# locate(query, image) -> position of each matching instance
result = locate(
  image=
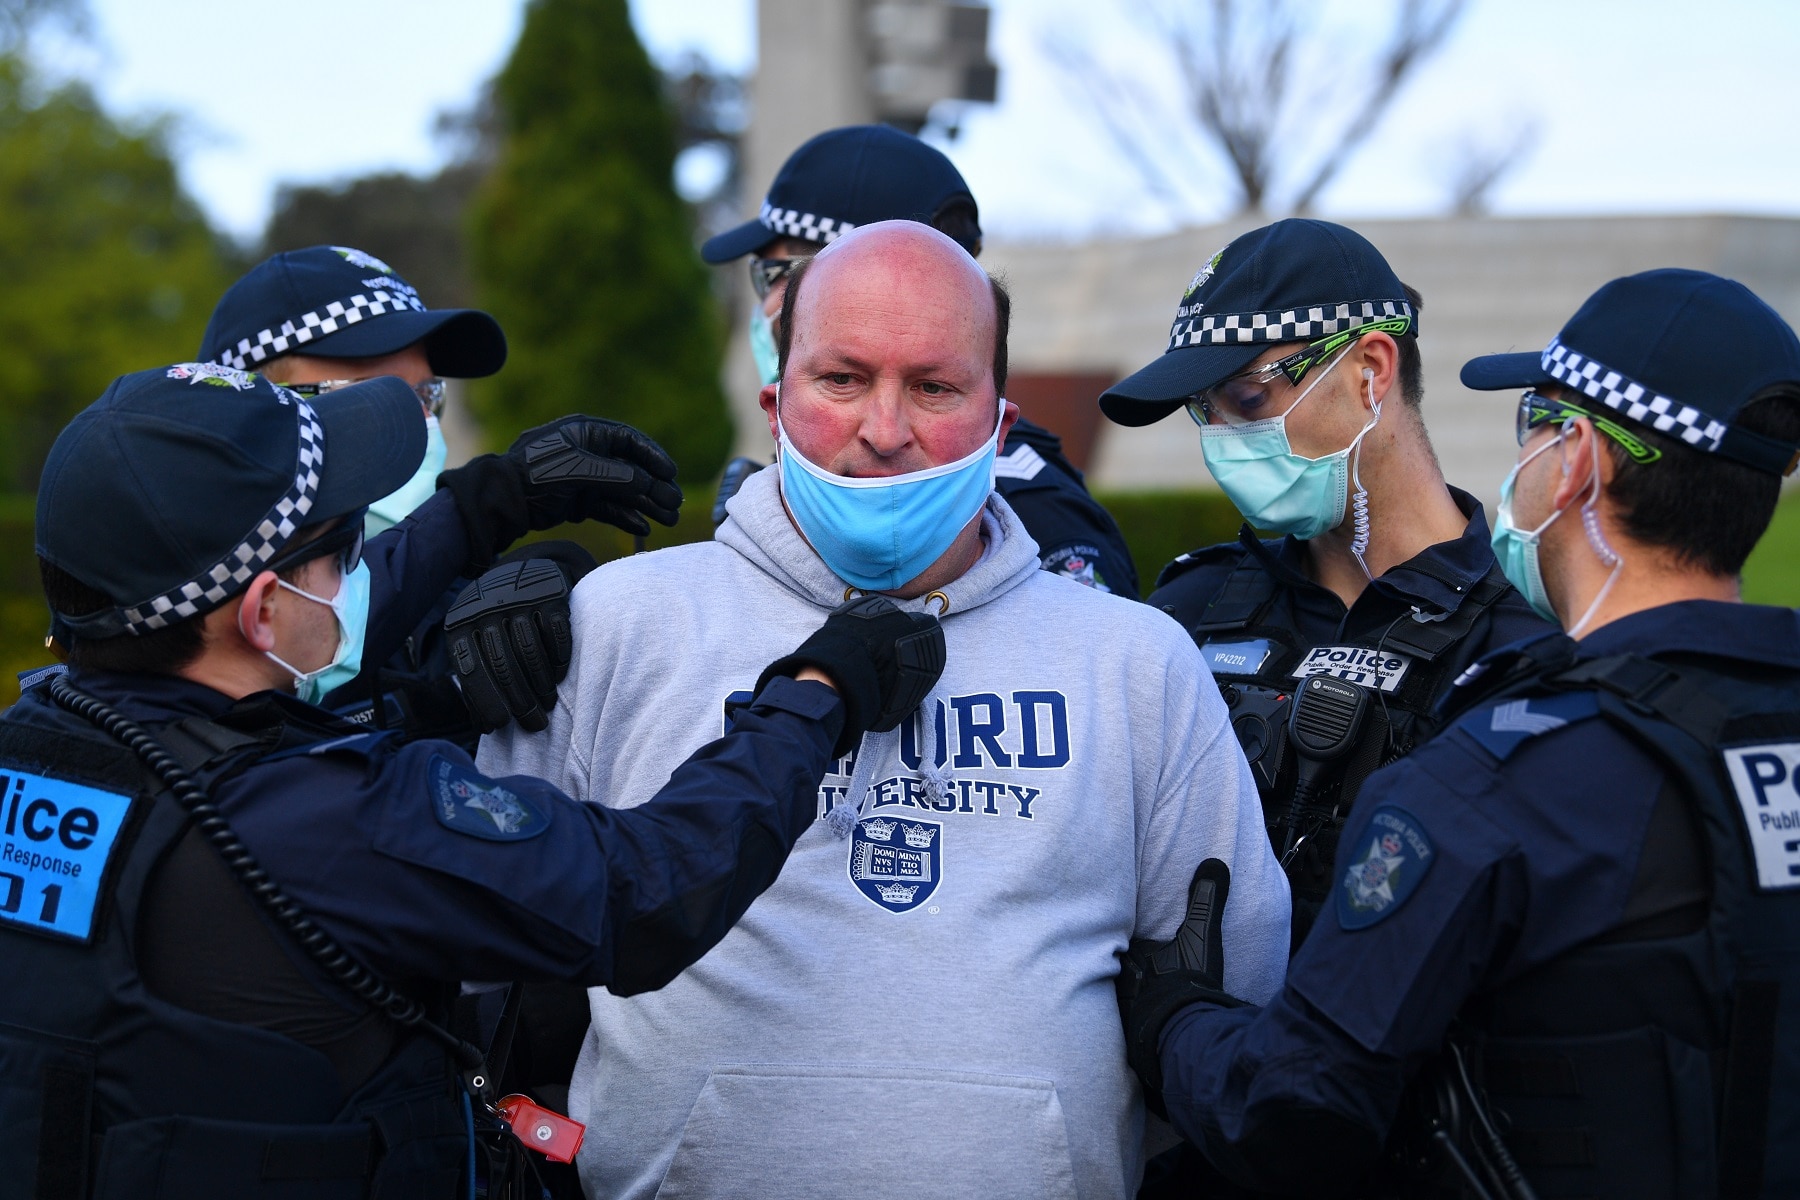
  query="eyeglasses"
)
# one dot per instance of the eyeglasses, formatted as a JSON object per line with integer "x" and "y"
{"x": 1537, "y": 410}
{"x": 1243, "y": 398}
{"x": 345, "y": 540}
{"x": 430, "y": 393}
{"x": 765, "y": 273}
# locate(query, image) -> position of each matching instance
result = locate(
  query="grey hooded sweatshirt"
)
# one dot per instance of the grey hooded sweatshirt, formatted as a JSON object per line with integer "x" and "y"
{"x": 925, "y": 1007}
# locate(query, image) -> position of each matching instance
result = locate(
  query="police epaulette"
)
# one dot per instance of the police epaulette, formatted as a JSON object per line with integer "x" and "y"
{"x": 1507, "y": 669}
{"x": 1204, "y": 556}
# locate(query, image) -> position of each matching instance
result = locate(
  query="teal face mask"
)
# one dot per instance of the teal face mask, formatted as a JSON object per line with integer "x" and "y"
{"x": 1516, "y": 550}
{"x": 1273, "y": 487}
{"x": 389, "y": 511}
{"x": 878, "y": 534}
{"x": 351, "y": 609}
{"x": 762, "y": 346}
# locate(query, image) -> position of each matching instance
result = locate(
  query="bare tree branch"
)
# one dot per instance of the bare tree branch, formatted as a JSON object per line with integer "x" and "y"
{"x": 1113, "y": 103}
{"x": 1476, "y": 165}
{"x": 1238, "y": 62}
{"x": 1419, "y": 30}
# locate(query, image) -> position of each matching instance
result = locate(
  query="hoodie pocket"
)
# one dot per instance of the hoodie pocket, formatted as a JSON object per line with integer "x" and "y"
{"x": 831, "y": 1131}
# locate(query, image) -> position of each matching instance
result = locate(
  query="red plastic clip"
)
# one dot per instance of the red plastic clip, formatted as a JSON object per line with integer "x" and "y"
{"x": 550, "y": 1133}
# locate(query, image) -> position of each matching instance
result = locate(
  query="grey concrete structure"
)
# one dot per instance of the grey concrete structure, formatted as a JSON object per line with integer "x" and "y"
{"x": 1489, "y": 285}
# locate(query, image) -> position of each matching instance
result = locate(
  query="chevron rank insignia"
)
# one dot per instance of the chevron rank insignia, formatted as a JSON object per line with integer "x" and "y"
{"x": 1504, "y": 727}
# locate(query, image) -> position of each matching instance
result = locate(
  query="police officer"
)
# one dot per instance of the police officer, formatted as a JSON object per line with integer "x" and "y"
{"x": 1563, "y": 951}
{"x": 326, "y": 317}
{"x": 1295, "y": 352}
{"x": 859, "y": 174}
{"x": 230, "y": 922}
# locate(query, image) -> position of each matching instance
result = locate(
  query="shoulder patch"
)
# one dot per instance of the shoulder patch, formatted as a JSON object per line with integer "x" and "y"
{"x": 1080, "y": 563}
{"x": 467, "y": 802}
{"x": 1397, "y": 853}
{"x": 1503, "y": 728}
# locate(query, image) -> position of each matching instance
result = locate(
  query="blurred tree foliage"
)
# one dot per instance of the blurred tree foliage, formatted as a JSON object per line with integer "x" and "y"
{"x": 584, "y": 252}
{"x": 109, "y": 266}
{"x": 412, "y": 222}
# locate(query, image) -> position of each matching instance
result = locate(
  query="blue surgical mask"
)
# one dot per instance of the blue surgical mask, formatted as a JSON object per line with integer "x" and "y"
{"x": 878, "y": 534}
{"x": 389, "y": 511}
{"x": 1273, "y": 487}
{"x": 762, "y": 346}
{"x": 351, "y": 609}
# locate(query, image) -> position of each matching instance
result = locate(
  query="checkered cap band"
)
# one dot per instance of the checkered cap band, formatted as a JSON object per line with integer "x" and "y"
{"x": 215, "y": 585}
{"x": 792, "y": 222}
{"x": 1643, "y": 405}
{"x": 1282, "y": 325}
{"x": 270, "y": 343}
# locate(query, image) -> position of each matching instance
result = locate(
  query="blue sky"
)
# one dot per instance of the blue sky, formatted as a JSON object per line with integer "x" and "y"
{"x": 1643, "y": 105}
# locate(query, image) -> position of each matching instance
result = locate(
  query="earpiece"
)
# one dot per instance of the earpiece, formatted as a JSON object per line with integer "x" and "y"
{"x": 1369, "y": 374}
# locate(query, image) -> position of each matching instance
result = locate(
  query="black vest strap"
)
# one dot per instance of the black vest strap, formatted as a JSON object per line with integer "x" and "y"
{"x": 1430, "y": 639}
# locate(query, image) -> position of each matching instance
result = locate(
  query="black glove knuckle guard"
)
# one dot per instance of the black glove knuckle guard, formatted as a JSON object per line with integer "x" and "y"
{"x": 883, "y": 660}
{"x": 510, "y": 642}
{"x": 1158, "y": 980}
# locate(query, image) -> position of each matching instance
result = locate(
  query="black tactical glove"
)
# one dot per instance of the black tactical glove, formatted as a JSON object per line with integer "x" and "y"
{"x": 509, "y": 639}
{"x": 736, "y": 472}
{"x": 573, "y": 469}
{"x": 883, "y": 661}
{"x": 1158, "y": 980}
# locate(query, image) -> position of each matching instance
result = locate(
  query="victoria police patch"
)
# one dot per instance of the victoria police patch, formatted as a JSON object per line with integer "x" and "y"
{"x": 896, "y": 862}
{"x": 464, "y": 800}
{"x": 1396, "y": 855}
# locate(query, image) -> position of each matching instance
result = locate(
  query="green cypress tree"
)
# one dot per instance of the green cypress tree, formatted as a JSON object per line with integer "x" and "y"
{"x": 583, "y": 250}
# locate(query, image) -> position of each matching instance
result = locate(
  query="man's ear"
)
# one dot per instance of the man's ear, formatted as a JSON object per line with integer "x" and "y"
{"x": 1582, "y": 455}
{"x": 255, "y": 618}
{"x": 1378, "y": 363}
{"x": 768, "y": 398}
{"x": 1009, "y": 416}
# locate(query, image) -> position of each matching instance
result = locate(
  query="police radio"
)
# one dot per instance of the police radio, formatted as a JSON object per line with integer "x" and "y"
{"x": 1326, "y": 716}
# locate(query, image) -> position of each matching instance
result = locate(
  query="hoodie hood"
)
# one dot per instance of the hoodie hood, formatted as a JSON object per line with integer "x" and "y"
{"x": 759, "y": 528}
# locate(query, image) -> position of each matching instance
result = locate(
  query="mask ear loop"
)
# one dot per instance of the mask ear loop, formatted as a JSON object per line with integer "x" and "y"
{"x": 1590, "y": 524}
{"x": 1359, "y": 501}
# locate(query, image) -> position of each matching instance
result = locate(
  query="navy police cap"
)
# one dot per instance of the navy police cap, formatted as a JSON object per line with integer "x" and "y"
{"x": 171, "y": 491}
{"x": 1294, "y": 281}
{"x": 843, "y": 178}
{"x": 1677, "y": 351}
{"x": 338, "y": 302}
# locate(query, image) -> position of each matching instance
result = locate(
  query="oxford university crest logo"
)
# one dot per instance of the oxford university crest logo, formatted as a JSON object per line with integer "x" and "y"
{"x": 895, "y": 862}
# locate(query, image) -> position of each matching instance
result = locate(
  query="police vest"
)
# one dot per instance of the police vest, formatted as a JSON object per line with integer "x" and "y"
{"x": 1667, "y": 1063}
{"x": 108, "y": 1091}
{"x": 1258, "y": 665}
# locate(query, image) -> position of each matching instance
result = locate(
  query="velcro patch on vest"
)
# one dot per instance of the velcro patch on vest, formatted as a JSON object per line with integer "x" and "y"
{"x": 469, "y": 802}
{"x": 1236, "y": 658}
{"x": 56, "y": 839}
{"x": 1764, "y": 777}
{"x": 1396, "y": 854}
{"x": 1379, "y": 669}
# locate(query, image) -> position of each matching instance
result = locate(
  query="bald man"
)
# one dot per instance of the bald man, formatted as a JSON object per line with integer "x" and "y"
{"x": 923, "y": 1003}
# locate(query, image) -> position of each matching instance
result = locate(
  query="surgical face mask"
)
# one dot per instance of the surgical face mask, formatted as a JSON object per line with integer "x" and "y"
{"x": 1516, "y": 549}
{"x": 350, "y": 607}
{"x": 878, "y": 534}
{"x": 762, "y": 346}
{"x": 389, "y": 511}
{"x": 1275, "y": 488}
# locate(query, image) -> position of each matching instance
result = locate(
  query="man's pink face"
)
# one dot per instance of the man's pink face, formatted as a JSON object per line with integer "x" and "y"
{"x": 891, "y": 365}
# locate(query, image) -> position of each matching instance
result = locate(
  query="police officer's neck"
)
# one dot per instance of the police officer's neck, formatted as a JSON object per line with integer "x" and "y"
{"x": 1410, "y": 509}
{"x": 229, "y": 664}
{"x": 1650, "y": 577}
